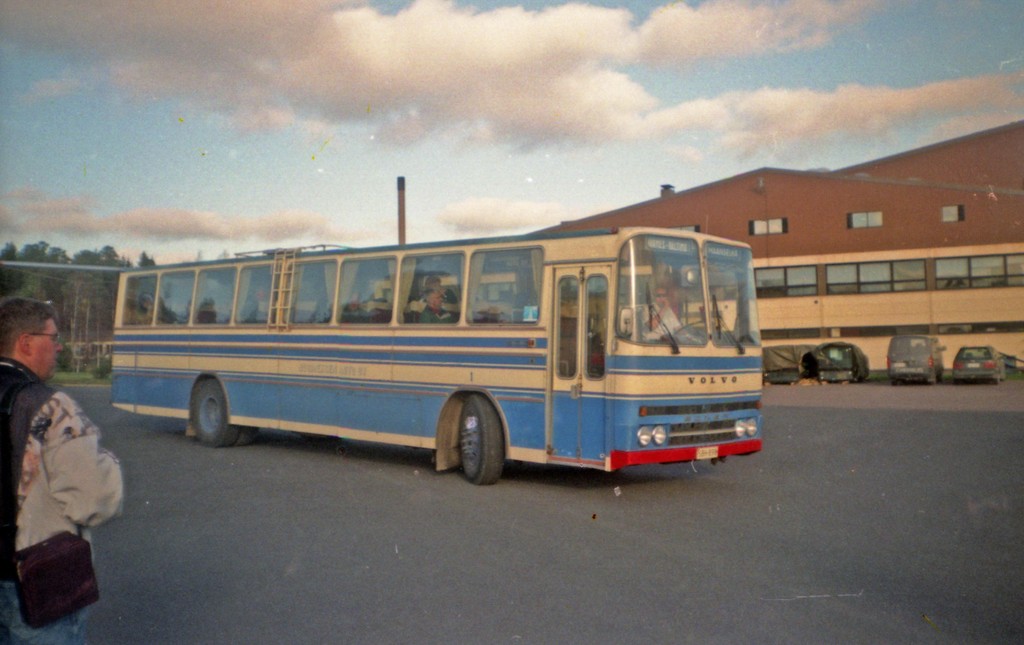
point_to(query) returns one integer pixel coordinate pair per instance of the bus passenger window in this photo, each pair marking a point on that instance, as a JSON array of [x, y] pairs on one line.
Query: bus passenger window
[[366, 293], [421, 274], [254, 295], [504, 285], [175, 301], [215, 293], [313, 293], [137, 305]]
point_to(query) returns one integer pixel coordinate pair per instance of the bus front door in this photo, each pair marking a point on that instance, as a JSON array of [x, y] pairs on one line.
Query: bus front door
[[576, 431]]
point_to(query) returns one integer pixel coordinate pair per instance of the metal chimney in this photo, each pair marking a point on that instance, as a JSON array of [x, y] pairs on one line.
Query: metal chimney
[[401, 211]]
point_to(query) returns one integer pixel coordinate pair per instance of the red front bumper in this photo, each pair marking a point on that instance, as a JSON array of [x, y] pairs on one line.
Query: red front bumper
[[621, 458]]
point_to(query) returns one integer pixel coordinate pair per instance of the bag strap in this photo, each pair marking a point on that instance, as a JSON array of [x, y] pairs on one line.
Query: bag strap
[[9, 518]]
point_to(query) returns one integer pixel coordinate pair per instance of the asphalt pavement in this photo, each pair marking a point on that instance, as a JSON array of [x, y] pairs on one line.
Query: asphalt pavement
[[874, 515]]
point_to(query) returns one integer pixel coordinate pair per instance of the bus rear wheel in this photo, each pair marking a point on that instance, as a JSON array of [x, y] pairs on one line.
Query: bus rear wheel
[[208, 415], [481, 442]]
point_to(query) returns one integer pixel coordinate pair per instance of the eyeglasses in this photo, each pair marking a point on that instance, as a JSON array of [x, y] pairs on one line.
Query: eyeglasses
[[661, 295], [53, 337]]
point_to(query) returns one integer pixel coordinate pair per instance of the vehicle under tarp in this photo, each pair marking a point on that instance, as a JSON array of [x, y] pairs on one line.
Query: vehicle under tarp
[[785, 364]]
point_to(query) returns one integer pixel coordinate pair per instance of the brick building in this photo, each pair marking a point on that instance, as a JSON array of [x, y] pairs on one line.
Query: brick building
[[926, 241]]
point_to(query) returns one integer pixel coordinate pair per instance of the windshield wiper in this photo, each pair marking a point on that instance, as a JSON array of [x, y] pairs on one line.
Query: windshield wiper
[[721, 330], [661, 323]]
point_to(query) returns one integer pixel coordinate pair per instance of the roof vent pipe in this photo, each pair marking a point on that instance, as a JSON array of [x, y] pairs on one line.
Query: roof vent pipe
[[667, 189], [401, 211]]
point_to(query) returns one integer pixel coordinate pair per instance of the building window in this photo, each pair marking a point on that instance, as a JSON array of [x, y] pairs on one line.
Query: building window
[[951, 273], [786, 281], [979, 272], [841, 278], [908, 275], [875, 277], [953, 213], [1015, 270], [780, 334], [881, 330], [865, 219], [1001, 327], [776, 226]]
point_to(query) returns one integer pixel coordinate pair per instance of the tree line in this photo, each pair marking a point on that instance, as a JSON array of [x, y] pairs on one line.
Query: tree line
[[84, 299]]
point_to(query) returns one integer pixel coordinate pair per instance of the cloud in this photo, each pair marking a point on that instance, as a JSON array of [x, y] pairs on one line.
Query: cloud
[[28, 211], [487, 216], [54, 88], [525, 78], [680, 34], [780, 121]]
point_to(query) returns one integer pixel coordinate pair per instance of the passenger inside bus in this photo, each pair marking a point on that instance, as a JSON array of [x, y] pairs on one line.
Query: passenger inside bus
[[434, 311], [671, 316], [663, 318], [419, 302]]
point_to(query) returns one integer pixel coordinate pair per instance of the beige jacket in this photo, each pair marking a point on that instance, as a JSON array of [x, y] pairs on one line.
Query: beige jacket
[[67, 480]]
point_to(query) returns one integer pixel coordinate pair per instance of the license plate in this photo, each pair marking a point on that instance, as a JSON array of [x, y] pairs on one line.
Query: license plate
[[974, 365], [707, 452], [899, 364]]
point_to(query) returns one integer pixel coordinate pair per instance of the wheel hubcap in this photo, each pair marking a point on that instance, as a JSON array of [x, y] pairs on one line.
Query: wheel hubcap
[[470, 441]]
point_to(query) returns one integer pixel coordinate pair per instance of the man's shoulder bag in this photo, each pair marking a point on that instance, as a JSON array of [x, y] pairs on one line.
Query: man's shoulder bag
[[55, 577]]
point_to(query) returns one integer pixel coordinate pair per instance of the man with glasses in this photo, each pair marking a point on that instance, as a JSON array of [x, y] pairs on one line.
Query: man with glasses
[[66, 481]]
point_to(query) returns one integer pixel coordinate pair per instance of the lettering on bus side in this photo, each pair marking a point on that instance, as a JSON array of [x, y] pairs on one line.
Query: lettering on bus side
[[713, 380], [332, 369]]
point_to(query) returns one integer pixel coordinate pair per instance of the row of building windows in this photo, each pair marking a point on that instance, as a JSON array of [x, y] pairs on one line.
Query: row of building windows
[[1002, 327], [882, 277], [859, 219]]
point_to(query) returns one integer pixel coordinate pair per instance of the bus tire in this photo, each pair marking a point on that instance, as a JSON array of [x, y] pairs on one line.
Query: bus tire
[[208, 415], [481, 442]]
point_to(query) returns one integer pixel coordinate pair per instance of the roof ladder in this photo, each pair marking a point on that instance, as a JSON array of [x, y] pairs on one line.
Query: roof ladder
[[281, 289]]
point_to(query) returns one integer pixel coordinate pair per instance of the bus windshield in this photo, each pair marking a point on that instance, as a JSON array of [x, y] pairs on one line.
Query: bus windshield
[[661, 292], [731, 290]]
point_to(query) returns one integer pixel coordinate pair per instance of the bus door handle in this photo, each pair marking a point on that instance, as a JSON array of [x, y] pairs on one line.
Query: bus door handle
[[576, 391]]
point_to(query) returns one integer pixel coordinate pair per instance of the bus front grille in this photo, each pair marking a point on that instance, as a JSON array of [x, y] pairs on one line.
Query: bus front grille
[[687, 434]]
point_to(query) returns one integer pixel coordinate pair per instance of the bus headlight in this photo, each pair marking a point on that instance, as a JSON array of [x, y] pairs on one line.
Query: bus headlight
[[746, 427], [648, 434]]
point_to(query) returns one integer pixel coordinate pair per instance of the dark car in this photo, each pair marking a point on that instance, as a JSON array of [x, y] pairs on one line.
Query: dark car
[[978, 364], [914, 358], [841, 363]]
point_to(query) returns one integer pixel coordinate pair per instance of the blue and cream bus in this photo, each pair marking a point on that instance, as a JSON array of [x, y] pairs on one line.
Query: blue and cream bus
[[601, 349]]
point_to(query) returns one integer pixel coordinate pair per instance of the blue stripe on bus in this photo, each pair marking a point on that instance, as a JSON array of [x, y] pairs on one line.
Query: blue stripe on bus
[[647, 364], [387, 339]]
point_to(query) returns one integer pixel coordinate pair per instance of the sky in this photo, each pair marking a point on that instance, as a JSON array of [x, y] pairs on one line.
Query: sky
[[192, 129]]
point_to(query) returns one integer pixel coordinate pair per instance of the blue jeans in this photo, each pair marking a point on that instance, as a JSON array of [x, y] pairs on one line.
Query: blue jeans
[[69, 630]]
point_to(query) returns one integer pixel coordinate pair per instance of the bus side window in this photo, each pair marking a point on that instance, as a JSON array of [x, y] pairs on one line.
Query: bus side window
[[253, 295], [504, 285], [137, 306], [425, 272], [366, 292], [215, 293], [175, 301], [313, 293]]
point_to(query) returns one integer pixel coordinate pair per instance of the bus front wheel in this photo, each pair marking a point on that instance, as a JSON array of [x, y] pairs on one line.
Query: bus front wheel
[[481, 442], [209, 415]]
